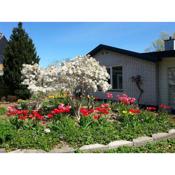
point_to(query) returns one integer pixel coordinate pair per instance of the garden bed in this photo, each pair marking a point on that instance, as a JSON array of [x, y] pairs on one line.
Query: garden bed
[[23, 127]]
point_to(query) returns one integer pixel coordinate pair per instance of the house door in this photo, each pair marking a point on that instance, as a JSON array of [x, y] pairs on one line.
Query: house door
[[171, 86]]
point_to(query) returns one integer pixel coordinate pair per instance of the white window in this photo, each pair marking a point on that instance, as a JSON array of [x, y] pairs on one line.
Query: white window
[[1, 72], [116, 79]]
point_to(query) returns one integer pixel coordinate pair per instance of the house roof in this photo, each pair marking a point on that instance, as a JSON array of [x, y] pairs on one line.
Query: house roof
[[150, 56], [161, 54]]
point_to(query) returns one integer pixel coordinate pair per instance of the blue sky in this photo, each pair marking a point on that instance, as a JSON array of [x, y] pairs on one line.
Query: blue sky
[[57, 41]]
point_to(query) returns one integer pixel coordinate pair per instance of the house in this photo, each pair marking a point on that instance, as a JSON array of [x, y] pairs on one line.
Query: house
[[3, 43], [157, 70]]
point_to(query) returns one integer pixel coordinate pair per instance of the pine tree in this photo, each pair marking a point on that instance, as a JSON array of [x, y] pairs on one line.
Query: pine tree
[[20, 50]]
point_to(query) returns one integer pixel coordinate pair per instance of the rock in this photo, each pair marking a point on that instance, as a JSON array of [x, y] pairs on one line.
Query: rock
[[93, 147], [15, 151], [119, 143], [171, 131], [63, 150], [142, 141], [62, 147], [2, 150], [161, 136], [28, 151]]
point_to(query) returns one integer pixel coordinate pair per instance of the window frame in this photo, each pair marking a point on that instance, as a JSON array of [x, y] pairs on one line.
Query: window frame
[[111, 79]]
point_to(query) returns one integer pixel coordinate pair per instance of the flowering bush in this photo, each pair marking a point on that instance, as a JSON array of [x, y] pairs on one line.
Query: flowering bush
[[39, 79], [80, 77], [84, 75]]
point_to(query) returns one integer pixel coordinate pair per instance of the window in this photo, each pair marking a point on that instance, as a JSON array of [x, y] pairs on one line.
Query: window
[[117, 78], [108, 70], [1, 72]]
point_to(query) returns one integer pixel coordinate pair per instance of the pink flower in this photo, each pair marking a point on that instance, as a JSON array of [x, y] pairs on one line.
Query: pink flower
[[104, 105], [125, 99], [61, 106], [163, 106], [151, 108], [109, 95]]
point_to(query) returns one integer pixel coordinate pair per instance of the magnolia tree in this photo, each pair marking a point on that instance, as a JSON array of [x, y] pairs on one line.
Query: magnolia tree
[[82, 75]]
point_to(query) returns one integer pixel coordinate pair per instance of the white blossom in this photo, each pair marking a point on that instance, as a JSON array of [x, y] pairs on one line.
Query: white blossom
[[47, 130], [83, 74]]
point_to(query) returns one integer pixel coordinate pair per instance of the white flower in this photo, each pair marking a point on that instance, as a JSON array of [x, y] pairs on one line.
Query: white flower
[[47, 130], [81, 73]]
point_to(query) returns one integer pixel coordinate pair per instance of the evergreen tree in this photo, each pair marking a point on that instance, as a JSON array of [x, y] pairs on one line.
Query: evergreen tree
[[20, 50]]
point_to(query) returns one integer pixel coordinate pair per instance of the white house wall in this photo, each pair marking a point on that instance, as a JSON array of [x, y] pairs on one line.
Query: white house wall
[[131, 67], [163, 79]]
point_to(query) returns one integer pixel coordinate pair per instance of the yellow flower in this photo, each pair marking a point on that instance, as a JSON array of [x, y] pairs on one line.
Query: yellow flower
[[124, 112], [51, 96]]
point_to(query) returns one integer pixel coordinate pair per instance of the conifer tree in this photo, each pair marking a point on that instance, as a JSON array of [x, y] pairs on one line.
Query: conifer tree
[[19, 50]]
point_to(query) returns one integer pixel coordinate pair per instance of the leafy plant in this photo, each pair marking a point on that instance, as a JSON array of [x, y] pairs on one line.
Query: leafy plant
[[6, 132], [37, 139], [2, 110]]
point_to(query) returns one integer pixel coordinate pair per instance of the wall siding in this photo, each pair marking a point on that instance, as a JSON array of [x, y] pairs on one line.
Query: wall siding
[[132, 67], [163, 79]]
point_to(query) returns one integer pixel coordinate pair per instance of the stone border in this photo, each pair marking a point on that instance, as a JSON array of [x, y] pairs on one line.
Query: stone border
[[140, 141]]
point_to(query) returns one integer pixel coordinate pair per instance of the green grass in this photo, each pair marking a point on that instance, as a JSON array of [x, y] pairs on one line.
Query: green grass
[[167, 146]]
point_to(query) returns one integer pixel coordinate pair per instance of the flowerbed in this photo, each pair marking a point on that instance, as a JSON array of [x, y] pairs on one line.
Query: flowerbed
[[54, 121]]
